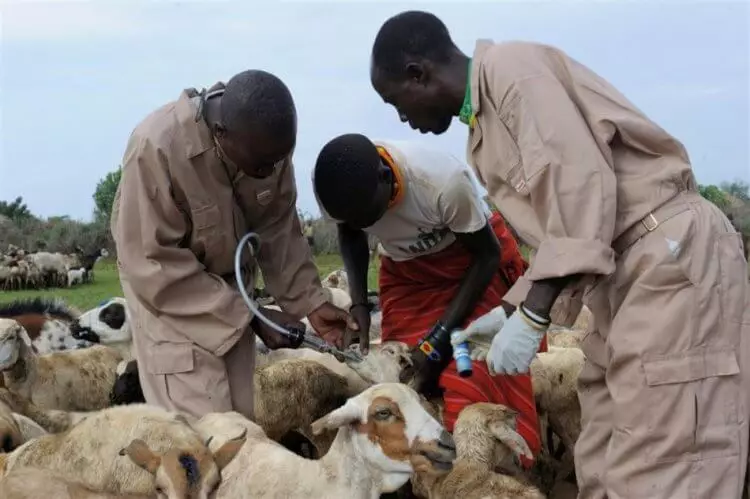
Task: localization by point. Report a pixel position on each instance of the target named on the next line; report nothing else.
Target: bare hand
(272, 338)
(361, 315)
(330, 322)
(424, 374)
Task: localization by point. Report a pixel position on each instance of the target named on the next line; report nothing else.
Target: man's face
(416, 99)
(255, 152)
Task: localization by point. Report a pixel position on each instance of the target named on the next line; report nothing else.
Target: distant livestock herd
(20, 269)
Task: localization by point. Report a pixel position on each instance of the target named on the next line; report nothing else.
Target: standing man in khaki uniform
(609, 201)
(198, 173)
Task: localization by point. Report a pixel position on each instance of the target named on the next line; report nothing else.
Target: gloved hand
(479, 333)
(515, 346)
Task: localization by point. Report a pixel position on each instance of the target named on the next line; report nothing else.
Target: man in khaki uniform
(197, 174)
(609, 201)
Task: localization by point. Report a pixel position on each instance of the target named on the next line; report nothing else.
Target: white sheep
(485, 436)
(76, 276)
(133, 449)
(370, 455)
(107, 324)
(33, 483)
(74, 380)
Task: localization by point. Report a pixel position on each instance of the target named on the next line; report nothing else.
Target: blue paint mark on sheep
(190, 465)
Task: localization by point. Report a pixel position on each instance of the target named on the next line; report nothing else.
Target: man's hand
(428, 361)
(515, 346)
(481, 332)
(270, 337)
(423, 375)
(331, 322)
(361, 314)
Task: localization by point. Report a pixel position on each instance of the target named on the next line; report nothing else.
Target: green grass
(107, 284)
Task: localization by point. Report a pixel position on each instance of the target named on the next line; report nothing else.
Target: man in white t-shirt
(448, 258)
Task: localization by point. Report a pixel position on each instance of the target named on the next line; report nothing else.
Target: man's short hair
(346, 175)
(256, 98)
(411, 34)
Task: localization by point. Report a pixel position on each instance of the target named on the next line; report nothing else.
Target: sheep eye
(382, 414)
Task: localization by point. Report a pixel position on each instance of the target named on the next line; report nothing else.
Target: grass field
(107, 284)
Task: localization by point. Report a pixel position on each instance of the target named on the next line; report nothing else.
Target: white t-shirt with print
(440, 198)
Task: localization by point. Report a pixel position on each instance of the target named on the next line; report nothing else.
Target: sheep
(75, 380)
(338, 297)
(564, 338)
(484, 435)
(33, 483)
(107, 324)
(10, 433)
(291, 391)
(52, 267)
(337, 279)
(48, 323)
(370, 455)
(135, 449)
(33, 420)
(76, 276)
(555, 384)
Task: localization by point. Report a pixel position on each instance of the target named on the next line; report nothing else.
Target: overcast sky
(77, 76)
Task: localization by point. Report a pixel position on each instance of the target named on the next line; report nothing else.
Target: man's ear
(415, 71)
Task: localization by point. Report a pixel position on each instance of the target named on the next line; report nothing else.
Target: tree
(737, 188)
(104, 195)
(715, 195)
(17, 210)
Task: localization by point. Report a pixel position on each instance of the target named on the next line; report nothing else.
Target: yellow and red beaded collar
(398, 185)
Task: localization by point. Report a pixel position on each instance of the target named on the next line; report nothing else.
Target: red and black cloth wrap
(413, 296)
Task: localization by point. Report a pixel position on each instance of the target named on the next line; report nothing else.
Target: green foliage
(16, 210)
(715, 195)
(738, 189)
(104, 195)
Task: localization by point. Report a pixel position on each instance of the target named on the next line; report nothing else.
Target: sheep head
(383, 363)
(184, 474)
(11, 336)
(486, 433)
(104, 324)
(386, 424)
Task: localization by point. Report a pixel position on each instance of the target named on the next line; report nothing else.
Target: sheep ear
(142, 456)
(229, 450)
(346, 414)
(24, 335)
(513, 440)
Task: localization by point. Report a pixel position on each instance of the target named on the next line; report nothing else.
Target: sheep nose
(446, 441)
(6, 443)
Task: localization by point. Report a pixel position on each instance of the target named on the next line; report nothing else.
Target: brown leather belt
(650, 222)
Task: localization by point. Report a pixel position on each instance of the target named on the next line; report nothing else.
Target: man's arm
(485, 258)
(571, 186)
(460, 209)
(356, 254)
(285, 259)
(148, 230)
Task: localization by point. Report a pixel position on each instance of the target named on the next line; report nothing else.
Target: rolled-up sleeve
(285, 259)
(167, 278)
(572, 188)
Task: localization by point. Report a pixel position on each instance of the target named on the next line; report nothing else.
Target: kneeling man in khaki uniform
(198, 173)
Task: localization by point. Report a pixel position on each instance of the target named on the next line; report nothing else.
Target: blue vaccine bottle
(461, 356)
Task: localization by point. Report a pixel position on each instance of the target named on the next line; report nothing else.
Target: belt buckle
(650, 222)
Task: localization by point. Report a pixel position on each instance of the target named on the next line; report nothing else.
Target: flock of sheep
(22, 270)
(73, 422)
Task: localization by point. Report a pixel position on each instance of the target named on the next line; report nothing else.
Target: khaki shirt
(176, 223)
(567, 159)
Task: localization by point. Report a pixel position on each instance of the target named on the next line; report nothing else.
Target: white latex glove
(479, 333)
(514, 347)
